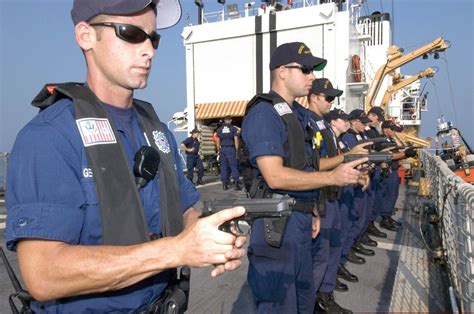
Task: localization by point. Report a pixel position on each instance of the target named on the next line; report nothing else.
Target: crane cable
(440, 112)
(393, 22)
(445, 59)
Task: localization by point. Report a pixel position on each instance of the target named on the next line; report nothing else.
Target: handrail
(454, 200)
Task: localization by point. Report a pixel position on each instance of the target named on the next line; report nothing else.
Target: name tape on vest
(282, 108)
(95, 131)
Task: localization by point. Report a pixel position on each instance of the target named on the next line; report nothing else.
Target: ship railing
(253, 8)
(453, 200)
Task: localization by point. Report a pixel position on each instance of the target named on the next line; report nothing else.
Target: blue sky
(37, 47)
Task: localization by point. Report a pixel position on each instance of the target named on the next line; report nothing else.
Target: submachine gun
(254, 209)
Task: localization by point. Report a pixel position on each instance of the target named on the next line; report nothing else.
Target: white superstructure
(227, 56)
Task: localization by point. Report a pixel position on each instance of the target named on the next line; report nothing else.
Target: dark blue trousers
(379, 184)
(390, 194)
(361, 212)
(192, 161)
(349, 218)
(374, 183)
(327, 249)
(281, 278)
(228, 160)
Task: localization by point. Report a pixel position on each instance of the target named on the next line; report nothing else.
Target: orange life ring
(356, 68)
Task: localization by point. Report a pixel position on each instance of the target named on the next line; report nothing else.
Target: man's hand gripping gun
(374, 158)
(254, 209)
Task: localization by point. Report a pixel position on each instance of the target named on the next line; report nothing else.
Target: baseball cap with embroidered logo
(296, 52)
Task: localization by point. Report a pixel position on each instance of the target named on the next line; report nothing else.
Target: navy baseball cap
(397, 128)
(336, 114)
(379, 112)
(296, 52)
(168, 12)
(359, 114)
(324, 86)
(387, 125)
(195, 131)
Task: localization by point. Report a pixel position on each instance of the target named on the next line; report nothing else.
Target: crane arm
(429, 72)
(396, 59)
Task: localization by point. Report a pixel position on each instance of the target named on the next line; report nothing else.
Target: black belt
(227, 145)
(305, 207)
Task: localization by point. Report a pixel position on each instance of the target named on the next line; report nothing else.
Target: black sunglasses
(132, 34)
(304, 68)
(328, 98)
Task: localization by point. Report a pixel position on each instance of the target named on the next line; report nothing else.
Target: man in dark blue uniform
(389, 187)
(88, 237)
(228, 146)
(280, 273)
(191, 146)
(356, 133)
(377, 116)
(328, 245)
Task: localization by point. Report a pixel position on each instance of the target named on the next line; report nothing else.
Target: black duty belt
(227, 145)
(305, 207)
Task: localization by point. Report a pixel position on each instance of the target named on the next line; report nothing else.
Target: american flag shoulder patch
(95, 131)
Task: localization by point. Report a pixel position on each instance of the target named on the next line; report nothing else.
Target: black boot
(366, 240)
(237, 186)
(354, 258)
(358, 248)
(386, 224)
(199, 181)
(372, 230)
(225, 186)
(394, 222)
(326, 303)
(340, 286)
(345, 274)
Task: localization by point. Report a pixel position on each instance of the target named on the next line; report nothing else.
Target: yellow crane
(396, 59)
(400, 83)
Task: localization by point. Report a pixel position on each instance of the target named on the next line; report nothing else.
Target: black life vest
(358, 136)
(294, 145)
(122, 215)
(373, 133)
(331, 192)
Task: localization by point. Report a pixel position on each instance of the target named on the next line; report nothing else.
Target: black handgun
(374, 158)
(254, 209)
(384, 145)
(374, 140)
(379, 143)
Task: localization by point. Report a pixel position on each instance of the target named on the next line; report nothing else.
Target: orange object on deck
(401, 174)
(466, 174)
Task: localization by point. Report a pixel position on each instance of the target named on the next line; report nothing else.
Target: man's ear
(281, 72)
(86, 35)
